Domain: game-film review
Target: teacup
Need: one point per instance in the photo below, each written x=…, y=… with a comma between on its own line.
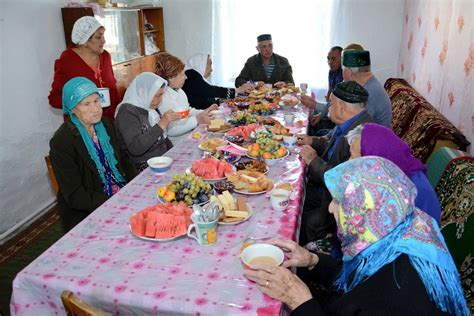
x=290, y=142
x=262, y=253
x=104, y=96
x=289, y=118
x=206, y=232
x=279, y=199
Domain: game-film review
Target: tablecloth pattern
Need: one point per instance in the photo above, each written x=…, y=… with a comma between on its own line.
x=106, y=266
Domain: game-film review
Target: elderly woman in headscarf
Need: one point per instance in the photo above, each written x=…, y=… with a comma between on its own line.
x=140, y=124
x=372, y=139
x=86, y=58
x=85, y=155
x=395, y=259
x=201, y=94
x=171, y=69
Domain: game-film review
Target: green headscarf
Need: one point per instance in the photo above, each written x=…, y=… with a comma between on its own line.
x=74, y=91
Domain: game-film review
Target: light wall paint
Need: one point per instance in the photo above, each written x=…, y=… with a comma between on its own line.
x=32, y=32
x=377, y=26
x=32, y=38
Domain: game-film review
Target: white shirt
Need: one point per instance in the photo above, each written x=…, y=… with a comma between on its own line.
x=178, y=101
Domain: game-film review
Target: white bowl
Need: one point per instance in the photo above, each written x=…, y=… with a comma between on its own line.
x=261, y=250
x=160, y=164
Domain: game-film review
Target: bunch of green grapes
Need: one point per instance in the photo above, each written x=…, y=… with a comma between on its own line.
x=267, y=144
x=190, y=189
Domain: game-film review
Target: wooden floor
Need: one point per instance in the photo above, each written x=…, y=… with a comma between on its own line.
x=23, y=249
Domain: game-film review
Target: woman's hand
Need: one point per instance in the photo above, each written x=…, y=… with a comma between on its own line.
x=279, y=283
x=212, y=108
x=245, y=88
x=296, y=256
x=168, y=117
x=205, y=116
x=315, y=119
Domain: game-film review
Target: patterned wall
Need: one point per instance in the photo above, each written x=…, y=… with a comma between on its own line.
x=437, y=57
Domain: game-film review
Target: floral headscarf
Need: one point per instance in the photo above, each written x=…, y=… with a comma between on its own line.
x=377, y=222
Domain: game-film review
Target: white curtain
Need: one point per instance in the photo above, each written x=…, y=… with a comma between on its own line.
x=300, y=30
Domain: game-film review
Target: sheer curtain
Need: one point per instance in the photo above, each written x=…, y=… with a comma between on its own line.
x=300, y=30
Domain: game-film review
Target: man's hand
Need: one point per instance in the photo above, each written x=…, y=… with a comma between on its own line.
x=307, y=101
x=304, y=139
x=315, y=119
x=308, y=154
x=279, y=84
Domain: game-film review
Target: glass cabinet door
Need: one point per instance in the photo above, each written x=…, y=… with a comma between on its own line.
x=122, y=35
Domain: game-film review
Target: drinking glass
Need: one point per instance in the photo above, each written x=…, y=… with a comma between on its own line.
x=303, y=87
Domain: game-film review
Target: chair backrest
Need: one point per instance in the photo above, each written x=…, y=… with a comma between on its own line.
x=52, y=176
x=76, y=307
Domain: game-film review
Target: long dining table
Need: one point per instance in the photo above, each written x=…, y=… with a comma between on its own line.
x=108, y=267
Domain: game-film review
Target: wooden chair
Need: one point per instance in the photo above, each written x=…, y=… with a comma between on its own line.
x=76, y=307
x=52, y=176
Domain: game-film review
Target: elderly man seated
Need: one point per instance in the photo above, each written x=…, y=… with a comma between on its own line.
x=319, y=122
x=347, y=111
x=356, y=66
x=265, y=67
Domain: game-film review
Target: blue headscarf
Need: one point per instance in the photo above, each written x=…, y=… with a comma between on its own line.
x=74, y=91
x=378, y=221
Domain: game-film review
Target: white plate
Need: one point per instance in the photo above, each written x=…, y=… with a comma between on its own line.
x=270, y=161
x=155, y=239
x=188, y=171
x=160, y=199
x=224, y=142
x=287, y=106
x=266, y=170
x=250, y=211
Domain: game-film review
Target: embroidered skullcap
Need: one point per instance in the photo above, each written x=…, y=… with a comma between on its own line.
x=83, y=29
x=168, y=66
x=264, y=37
x=356, y=58
x=350, y=91
x=76, y=90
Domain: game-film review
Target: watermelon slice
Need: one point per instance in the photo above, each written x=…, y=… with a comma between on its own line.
x=161, y=221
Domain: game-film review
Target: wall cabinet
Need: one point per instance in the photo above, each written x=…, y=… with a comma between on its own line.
x=132, y=37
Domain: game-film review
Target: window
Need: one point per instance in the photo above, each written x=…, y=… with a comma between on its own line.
x=300, y=30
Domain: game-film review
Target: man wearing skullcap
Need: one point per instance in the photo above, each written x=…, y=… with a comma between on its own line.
x=347, y=111
x=356, y=66
x=86, y=58
x=266, y=66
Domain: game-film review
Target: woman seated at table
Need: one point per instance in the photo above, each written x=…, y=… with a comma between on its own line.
x=372, y=139
x=140, y=125
x=171, y=69
x=201, y=94
x=85, y=154
x=395, y=258
x=86, y=58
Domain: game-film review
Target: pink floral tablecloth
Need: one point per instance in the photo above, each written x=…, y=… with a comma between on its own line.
x=106, y=266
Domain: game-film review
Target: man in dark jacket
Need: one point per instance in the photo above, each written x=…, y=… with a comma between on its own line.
x=347, y=111
x=265, y=67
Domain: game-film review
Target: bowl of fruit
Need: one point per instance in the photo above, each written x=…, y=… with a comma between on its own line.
x=268, y=150
x=262, y=109
x=185, y=187
x=242, y=118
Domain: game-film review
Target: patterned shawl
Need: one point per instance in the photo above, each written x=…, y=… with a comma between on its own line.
x=377, y=222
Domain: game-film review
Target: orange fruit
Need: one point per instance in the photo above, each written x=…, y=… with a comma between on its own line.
x=254, y=153
x=281, y=152
x=267, y=155
x=255, y=147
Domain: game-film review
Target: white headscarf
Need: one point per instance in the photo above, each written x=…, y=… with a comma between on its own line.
x=141, y=92
x=198, y=62
x=83, y=29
